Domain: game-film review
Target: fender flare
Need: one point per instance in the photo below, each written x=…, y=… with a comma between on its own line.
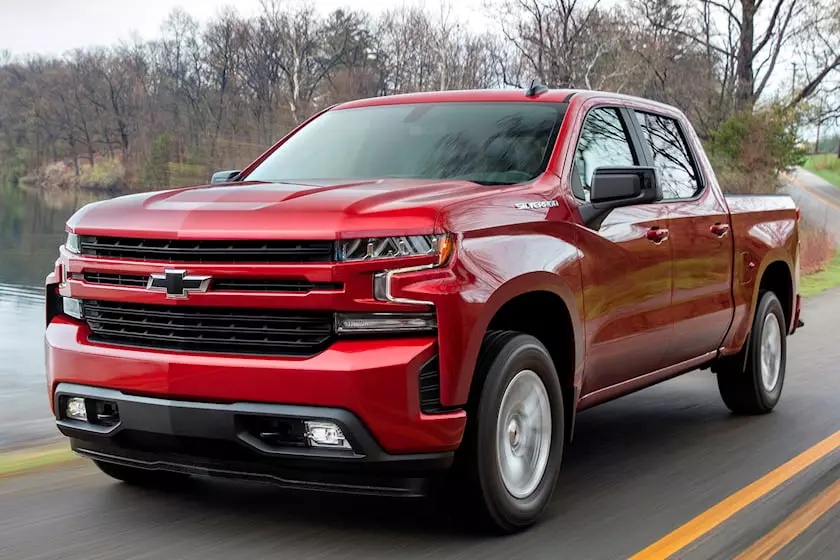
x=531, y=282
x=775, y=255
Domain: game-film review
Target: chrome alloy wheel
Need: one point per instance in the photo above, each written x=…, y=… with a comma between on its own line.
x=523, y=434
x=771, y=352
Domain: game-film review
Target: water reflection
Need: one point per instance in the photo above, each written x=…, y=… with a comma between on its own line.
x=24, y=411
x=31, y=229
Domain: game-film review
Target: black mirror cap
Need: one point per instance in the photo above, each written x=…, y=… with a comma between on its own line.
x=224, y=176
x=614, y=187
x=609, y=185
x=625, y=185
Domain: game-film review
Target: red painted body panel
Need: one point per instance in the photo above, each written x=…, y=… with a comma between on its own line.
x=764, y=231
x=702, y=303
x=627, y=295
x=640, y=312
x=503, y=253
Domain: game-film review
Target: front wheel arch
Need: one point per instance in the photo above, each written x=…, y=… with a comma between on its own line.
x=546, y=315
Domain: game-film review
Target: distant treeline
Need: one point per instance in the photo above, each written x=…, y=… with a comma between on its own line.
x=215, y=95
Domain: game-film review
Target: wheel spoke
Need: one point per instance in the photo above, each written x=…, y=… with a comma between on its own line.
x=523, y=434
x=770, y=358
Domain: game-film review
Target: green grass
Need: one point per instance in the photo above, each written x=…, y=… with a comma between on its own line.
x=826, y=166
x=813, y=284
x=14, y=462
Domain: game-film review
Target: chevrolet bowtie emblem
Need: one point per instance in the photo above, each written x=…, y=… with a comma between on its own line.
x=177, y=284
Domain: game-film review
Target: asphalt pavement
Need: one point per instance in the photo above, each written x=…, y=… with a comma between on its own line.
x=818, y=199
x=639, y=468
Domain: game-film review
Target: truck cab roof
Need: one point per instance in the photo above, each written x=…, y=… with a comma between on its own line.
x=505, y=95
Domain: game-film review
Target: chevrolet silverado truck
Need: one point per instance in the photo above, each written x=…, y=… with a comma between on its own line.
x=417, y=294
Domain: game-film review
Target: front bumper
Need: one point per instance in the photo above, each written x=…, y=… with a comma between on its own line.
x=376, y=381
x=213, y=439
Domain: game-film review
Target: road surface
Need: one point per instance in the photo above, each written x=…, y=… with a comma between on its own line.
x=639, y=468
x=818, y=199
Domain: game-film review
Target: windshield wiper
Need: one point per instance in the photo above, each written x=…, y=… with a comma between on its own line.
x=489, y=183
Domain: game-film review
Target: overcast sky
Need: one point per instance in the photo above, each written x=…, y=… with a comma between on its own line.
x=57, y=26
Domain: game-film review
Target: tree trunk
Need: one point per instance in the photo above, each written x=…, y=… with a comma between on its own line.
x=817, y=145
x=745, y=79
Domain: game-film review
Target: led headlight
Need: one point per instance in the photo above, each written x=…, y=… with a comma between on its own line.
x=373, y=248
x=73, y=243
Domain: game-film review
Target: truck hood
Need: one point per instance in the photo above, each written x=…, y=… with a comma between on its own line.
x=317, y=210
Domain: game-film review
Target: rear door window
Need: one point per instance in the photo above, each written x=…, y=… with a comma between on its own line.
x=671, y=156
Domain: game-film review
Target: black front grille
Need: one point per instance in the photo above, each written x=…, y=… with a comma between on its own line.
x=258, y=285
x=209, y=329
x=222, y=284
x=184, y=250
x=116, y=279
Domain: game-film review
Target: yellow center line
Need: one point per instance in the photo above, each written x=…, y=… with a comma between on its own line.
x=793, y=526
x=801, y=185
x=683, y=536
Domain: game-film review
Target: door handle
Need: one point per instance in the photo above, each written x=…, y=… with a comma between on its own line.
x=720, y=229
x=657, y=234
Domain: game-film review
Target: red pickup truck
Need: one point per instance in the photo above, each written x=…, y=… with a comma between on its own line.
x=417, y=292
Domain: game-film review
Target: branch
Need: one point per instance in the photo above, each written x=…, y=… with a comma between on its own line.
x=769, y=33
x=776, y=50
x=812, y=86
x=697, y=40
x=727, y=9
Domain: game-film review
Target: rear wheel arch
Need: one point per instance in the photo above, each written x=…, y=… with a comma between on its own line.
x=777, y=277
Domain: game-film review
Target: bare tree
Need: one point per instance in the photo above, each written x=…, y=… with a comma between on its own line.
x=819, y=52
x=216, y=94
x=560, y=41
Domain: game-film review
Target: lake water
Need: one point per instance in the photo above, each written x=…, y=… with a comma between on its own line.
x=31, y=229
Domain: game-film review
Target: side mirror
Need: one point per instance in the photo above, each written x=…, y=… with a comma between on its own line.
x=223, y=177
x=614, y=187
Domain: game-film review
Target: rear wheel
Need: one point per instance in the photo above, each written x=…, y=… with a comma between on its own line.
x=756, y=387
x=141, y=477
x=508, y=464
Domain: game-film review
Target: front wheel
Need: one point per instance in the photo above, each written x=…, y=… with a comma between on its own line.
x=755, y=388
x=509, y=462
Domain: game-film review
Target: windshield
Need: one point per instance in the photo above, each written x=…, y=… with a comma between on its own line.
x=488, y=143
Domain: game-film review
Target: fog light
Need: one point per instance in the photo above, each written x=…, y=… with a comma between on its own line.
x=325, y=434
x=72, y=307
x=350, y=323
x=76, y=409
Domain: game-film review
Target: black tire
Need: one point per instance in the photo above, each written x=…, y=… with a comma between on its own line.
x=476, y=483
x=141, y=477
x=740, y=380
